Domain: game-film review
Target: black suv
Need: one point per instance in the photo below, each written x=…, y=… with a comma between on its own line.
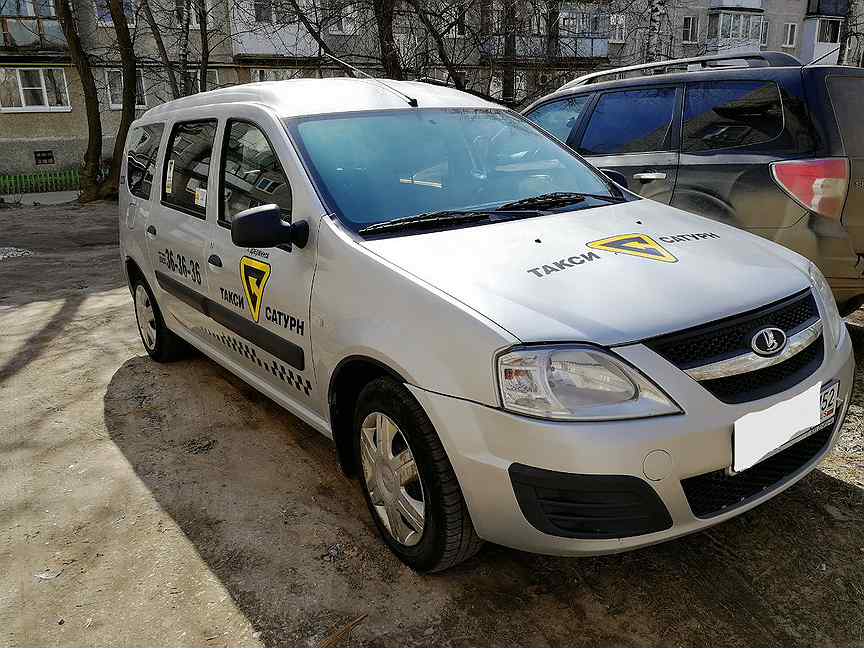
x=756, y=141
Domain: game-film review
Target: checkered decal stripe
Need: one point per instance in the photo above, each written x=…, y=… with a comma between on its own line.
x=249, y=352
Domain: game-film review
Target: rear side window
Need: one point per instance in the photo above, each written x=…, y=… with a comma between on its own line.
x=631, y=121
x=252, y=174
x=559, y=117
x=727, y=114
x=187, y=165
x=846, y=93
x=141, y=158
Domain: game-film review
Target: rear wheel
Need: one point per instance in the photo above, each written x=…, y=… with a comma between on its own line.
x=408, y=482
x=160, y=343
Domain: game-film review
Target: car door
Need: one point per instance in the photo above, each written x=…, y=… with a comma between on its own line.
x=260, y=297
x=177, y=229
x=633, y=131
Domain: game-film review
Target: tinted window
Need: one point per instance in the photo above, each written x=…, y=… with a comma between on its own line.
x=141, y=158
x=187, y=165
x=559, y=117
x=846, y=93
x=252, y=174
x=724, y=114
x=632, y=121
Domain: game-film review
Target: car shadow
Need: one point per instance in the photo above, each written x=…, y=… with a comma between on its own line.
x=259, y=495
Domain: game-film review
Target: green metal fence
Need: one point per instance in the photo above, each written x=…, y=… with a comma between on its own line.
x=40, y=182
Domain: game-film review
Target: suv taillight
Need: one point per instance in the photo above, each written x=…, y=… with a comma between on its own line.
x=817, y=185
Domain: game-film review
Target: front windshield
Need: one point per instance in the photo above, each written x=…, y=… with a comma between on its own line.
x=378, y=166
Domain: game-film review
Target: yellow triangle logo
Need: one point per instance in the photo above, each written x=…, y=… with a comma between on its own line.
x=254, y=275
x=639, y=245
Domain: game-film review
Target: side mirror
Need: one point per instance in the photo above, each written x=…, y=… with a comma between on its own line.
x=264, y=227
x=615, y=176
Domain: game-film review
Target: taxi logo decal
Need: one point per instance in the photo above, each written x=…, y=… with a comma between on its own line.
x=254, y=275
x=639, y=245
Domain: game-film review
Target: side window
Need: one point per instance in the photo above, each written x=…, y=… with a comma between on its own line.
x=630, y=121
x=726, y=114
x=559, y=117
x=252, y=174
x=141, y=158
x=187, y=165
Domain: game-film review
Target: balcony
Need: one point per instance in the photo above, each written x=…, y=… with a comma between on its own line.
x=827, y=7
x=739, y=5
x=530, y=48
x=31, y=34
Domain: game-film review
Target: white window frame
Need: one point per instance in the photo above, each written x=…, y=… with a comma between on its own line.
x=39, y=109
x=255, y=16
x=790, y=29
x=839, y=22
x=348, y=25
x=108, y=22
x=617, y=22
x=139, y=74
x=763, y=32
x=197, y=84
x=692, y=31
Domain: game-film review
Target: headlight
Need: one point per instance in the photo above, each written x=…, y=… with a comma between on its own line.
x=833, y=323
x=577, y=383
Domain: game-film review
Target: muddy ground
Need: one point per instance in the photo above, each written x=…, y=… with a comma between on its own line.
x=145, y=504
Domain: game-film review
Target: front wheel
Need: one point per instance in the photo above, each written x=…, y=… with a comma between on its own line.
x=160, y=343
x=408, y=482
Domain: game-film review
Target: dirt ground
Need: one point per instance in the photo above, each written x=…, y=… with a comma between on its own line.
x=145, y=504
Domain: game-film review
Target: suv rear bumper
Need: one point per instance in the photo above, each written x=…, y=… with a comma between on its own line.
x=507, y=465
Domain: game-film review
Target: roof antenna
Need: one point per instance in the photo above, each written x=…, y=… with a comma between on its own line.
x=411, y=100
x=824, y=56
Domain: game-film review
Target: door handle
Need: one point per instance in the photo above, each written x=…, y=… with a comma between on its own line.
x=215, y=261
x=648, y=176
x=151, y=231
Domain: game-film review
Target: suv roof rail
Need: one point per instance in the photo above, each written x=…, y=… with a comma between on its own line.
x=755, y=59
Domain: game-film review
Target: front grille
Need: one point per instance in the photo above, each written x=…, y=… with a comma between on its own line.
x=731, y=337
x=716, y=492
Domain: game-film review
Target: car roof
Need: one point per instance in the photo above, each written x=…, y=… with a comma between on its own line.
x=300, y=97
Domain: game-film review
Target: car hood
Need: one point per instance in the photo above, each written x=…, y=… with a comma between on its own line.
x=608, y=275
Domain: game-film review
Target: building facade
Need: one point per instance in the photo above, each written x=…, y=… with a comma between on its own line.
x=509, y=51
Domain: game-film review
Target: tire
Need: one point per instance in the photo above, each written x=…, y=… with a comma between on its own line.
x=446, y=536
x=160, y=343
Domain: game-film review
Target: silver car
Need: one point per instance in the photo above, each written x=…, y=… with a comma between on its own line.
x=503, y=344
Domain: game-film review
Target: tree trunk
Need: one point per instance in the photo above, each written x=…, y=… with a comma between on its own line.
x=508, y=80
x=200, y=7
x=163, y=53
x=656, y=11
x=93, y=154
x=108, y=188
x=384, y=11
x=183, y=49
x=553, y=20
x=440, y=45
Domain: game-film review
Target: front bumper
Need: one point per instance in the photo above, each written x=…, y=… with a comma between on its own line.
x=486, y=445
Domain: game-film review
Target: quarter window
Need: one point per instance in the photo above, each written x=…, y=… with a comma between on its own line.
x=631, y=121
x=187, y=166
x=559, y=117
x=252, y=174
x=141, y=158
x=728, y=114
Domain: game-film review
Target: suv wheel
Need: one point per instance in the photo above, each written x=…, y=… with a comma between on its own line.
x=161, y=344
x=408, y=482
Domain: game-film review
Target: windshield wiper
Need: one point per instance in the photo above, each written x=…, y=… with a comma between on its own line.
x=427, y=219
x=555, y=199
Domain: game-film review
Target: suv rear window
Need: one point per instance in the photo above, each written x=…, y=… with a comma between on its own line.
x=187, y=166
x=846, y=93
x=141, y=158
x=727, y=114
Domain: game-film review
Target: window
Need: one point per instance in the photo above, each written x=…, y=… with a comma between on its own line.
x=263, y=11
x=726, y=114
x=252, y=174
x=631, y=121
x=141, y=158
x=40, y=8
x=790, y=31
x=829, y=30
x=755, y=28
x=460, y=28
x=194, y=7
x=276, y=74
x=559, y=117
x=617, y=28
x=341, y=18
x=212, y=80
x=33, y=90
x=763, y=33
x=187, y=166
x=690, y=29
x=114, y=80
x=103, y=14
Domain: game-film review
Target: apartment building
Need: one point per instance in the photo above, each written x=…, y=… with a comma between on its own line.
x=510, y=51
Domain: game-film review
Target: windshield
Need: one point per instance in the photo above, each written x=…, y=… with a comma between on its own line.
x=379, y=166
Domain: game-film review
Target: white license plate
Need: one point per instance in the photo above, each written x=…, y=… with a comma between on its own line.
x=758, y=434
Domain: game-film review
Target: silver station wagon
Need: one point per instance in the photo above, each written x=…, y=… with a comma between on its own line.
x=503, y=343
